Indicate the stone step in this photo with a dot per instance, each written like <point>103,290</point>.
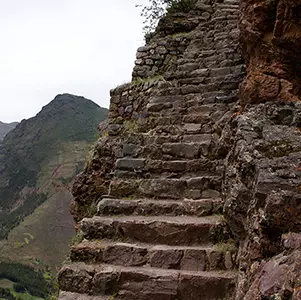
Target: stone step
<point>192,188</point>
<point>77,296</point>
<point>221,257</point>
<point>140,283</point>
<point>201,166</point>
<point>188,146</point>
<point>173,188</point>
<point>233,5</point>
<point>147,207</point>
<point>179,230</point>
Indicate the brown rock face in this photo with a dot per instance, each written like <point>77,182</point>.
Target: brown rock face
<point>271,42</point>
<point>261,186</point>
<point>263,198</point>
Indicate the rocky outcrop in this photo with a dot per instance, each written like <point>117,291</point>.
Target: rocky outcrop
<point>5,129</point>
<point>263,198</point>
<point>271,41</point>
<point>262,179</point>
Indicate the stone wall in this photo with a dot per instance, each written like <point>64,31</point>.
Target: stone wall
<point>185,82</point>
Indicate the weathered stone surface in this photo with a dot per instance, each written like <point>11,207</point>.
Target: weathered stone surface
<point>213,288</point>
<point>164,188</point>
<point>77,296</point>
<point>76,279</point>
<point>105,281</point>
<point>277,278</point>
<point>161,230</point>
<point>262,169</point>
<point>266,157</point>
<point>87,252</point>
<point>166,259</point>
<point>190,258</point>
<point>291,240</point>
<point>203,207</point>
<point>179,150</point>
<point>130,163</point>
<point>125,255</point>
<point>270,38</point>
<point>194,260</point>
<point>146,283</point>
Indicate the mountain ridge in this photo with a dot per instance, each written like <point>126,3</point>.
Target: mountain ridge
<point>31,146</point>
<point>5,128</point>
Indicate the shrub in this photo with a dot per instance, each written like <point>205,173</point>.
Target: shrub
<point>157,9</point>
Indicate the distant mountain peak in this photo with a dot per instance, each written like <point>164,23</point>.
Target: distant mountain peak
<point>67,119</point>
<point>5,128</point>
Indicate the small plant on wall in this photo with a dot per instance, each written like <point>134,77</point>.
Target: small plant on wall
<point>157,9</point>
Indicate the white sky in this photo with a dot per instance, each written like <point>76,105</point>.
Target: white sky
<point>50,47</point>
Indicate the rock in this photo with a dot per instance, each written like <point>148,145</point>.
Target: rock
<point>278,277</point>
<point>194,260</point>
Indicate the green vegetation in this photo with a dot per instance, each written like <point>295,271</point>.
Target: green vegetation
<point>27,281</point>
<point>140,80</point>
<point>5,128</point>
<point>6,294</point>
<point>112,297</point>
<point>157,9</point>
<point>78,238</point>
<point>229,246</point>
<point>11,220</point>
<point>92,210</point>
<point>131,126</point>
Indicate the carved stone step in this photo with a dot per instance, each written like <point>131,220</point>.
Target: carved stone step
<point>194,187</point>
<point>195,258</point>
<point>77,296</point>
<point>147,207</point>
<point>140,283</point>
<point>180,230</point>
<point>176,188</point>
<point>192,133</point>
<point>201,166</point>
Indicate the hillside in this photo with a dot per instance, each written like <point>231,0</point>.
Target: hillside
<point>38,161</point>
<point>5,129</point>
<point>32,145</point>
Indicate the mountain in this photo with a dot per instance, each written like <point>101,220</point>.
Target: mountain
<point>38,160</point>
<point>5,129</point>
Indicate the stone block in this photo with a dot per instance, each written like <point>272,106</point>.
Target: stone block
<point>105,282</point>
<point>165,258</point>
<point>181,150</point>
<point>125,255</point>
<point>216,260</point>
<point>194,260</point>
<point>130,163</point>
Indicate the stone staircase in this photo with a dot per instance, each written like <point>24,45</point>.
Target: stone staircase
<point>159,233</point>
<point>154,252</point>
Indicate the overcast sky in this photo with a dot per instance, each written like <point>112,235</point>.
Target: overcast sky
<point>50,47</point>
